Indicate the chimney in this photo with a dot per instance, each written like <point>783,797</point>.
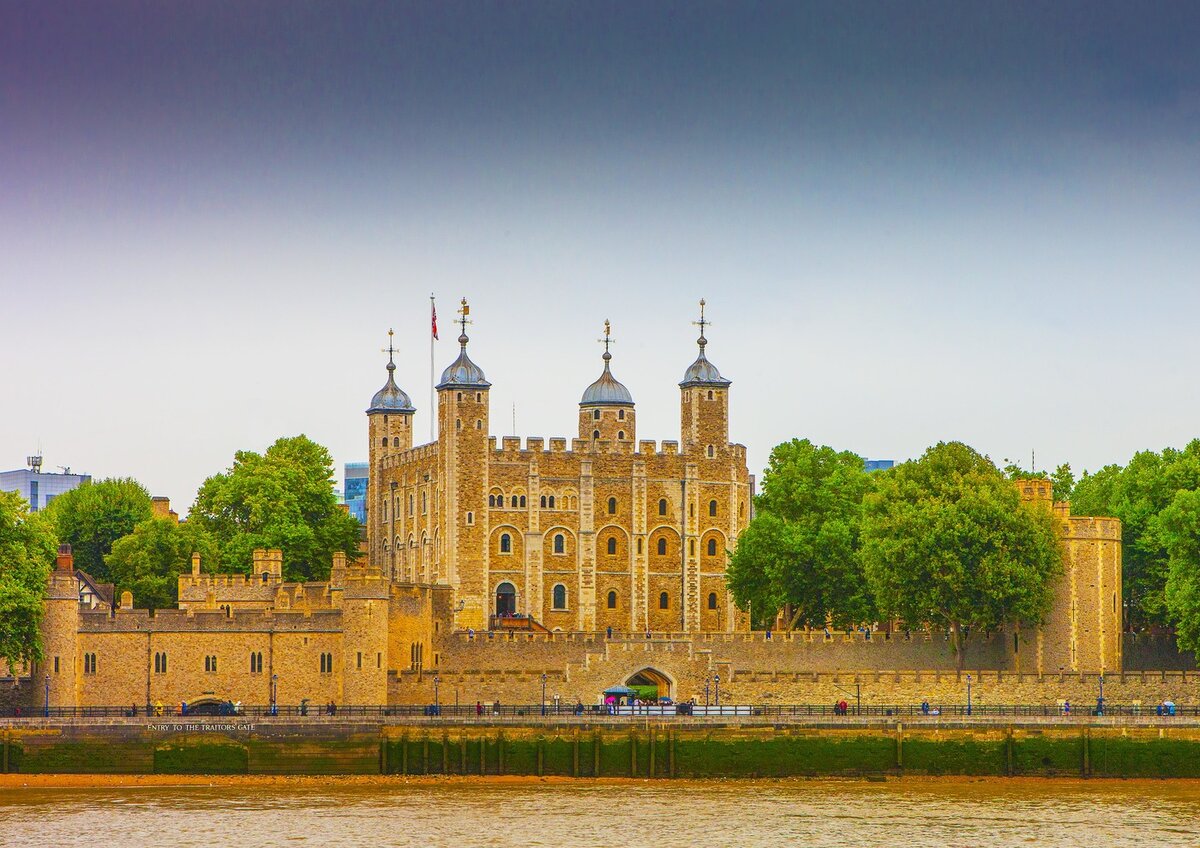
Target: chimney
<point>65,561</point>
<point>195,564</point>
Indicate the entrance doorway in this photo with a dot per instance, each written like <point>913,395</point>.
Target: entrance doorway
<point>650,684</point>
<point>506,599</point>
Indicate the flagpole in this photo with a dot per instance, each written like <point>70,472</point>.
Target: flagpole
<point>432,406</point>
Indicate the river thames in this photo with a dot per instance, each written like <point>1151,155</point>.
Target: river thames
<point>566,814</point>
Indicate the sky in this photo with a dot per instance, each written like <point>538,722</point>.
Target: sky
<point>912,222</point>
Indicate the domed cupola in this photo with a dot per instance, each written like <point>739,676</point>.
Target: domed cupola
<point>702,372</point>
<point>462,373</point>
<point>606,408</point>
<point>391,398</point>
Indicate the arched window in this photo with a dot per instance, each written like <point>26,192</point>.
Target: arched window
<point>395,441</point>
<point>612,545</point>
<point>522,500</point>
<point>559,597</point>
<point>639,546</point>
<point>612,600</point>
<point>662,547</point>
<point>712,600</point>
<point>621,414</point>
<point>664,601</point>
<point>470,520</point>
<point>692,547</point>
<point>712,507</point>
<point>612,506</point>
<point>543,502</point>
<point>710,394</point>
<point>458,424</point>
<point>559,543</point>
<point>505,543</point>
<point>385,441</point>
<point>595,415</point>
<point>595,434</point>
<point>458,397</point>
<point>552,501</point>
<point>620,435</point>
<point>711,452</point>
<point>742,509</point>
<point>712,547</point>
<point>491,500</point>
<point>662,506</point>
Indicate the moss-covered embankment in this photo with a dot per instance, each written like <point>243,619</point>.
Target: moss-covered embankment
<point>646,751</point>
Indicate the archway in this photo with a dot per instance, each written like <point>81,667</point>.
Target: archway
<point>650,684</point>
<point>506,599</point>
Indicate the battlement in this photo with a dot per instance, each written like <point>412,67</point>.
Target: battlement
<point>510,447</point>
<point>1093,528</point>
<point>421,453</point>
<point>210,621</point>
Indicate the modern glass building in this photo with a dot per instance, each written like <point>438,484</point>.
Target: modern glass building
<point>39,487</point>
<point>354,488</point>
<point>878,464</point>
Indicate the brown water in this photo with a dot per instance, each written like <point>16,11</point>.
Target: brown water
<point>941,813</point>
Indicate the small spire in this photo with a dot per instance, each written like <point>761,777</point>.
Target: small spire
<point>463,311</point>
<point>606,341</point>
<point>702,323</point>
<point>390,350</point>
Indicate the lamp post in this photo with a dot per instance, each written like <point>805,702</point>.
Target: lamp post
<point>47,711</point>
<point>717,681</point>
<point>858,697</point>
<point>543,693</point>
<point>1100,702</point>
<point>274,694</point>
<point>968,694</point>
<point>707,682</point>
<point>436,703</point>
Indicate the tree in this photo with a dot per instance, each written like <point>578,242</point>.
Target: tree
<point>1063,479</point>
<point>93,516</point>
<point>1178,527</point>
<point>800,553</point>
<point>946,541</point>
<point>26,554</point>
<point>280,499</point>
<point>149,560</point>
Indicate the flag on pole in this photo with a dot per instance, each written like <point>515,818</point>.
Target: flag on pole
<point>433,312</point>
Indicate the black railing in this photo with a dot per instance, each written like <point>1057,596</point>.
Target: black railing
<point>593,711</point>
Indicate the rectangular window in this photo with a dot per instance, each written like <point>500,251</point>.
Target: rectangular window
<point>56,665</point>
<point>379,660</point>
<point>33,497</point>
<point>360,660</point>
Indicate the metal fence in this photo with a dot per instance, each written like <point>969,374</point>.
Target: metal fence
<point>551,710</point>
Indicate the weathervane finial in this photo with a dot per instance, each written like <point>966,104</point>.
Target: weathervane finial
<point>463,311</point>
<point>702,323</point>
<point>606,341</point>
<point>390,350</point>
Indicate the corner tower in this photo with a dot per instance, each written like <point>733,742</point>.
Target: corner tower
<point>390,418</point>
<point>703,403</point>
<point>463,402</point>
<point>606,408</point>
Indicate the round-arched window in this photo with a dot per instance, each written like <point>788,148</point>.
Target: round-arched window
<point>560,597</point>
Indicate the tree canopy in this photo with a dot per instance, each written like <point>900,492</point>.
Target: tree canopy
<point>800,552</point>
<point>149,560</point>
<point>282,498</point>
<point>93,516</point>
<point>947,541</point>
<point>26,553</point>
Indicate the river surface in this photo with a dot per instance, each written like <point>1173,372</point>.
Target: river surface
<point>847,814</point>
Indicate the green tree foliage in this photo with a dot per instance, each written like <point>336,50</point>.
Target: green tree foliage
<point>93,516</point>
<point>1138,494</point>
<point>149,560</point>
<point>279,499</point>
<point>800,553</point>
<point>946,541</point>
<point>26,553</point>
<point>1178,528</point>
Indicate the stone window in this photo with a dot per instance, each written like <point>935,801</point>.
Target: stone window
<point>595,415</point>
<point>326,663</point>
<point>395,441</point>
<point>621,414</point>
<point>612,600</point>
<point>479,397</point>
<point>612,545</point>
<point>522,501</point>
<point>612,506</point>
<point>662,547</point>
<point>664,601</point>
<point>160,662</point>
<point>385,441</point>
<point>712,508</point>
<point>458,397</point>
<point>559,597</point>
<point>470,518</point>
<point>662,506</point>
<point>559,543</point>
<point>712,547</point>
<point>712,600</point>
<point>711,452</point>
<point>89,663</point>
<point>692,547</point>
<point>620,435</point>
<point>457,423</point>
<point>256,664</point>
<point>639,546</point>
<point>478,423</point>
<point>543,502</point>
<point>710,394</point>
<point>358,665</point>
<point>424,503</point>
<point>491,500</point>
<point>552,501</point>
<point>505,543</point>
<point>210,663</point>
<point>595,434</point>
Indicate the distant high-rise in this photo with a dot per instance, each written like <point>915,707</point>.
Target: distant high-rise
<point>354,486</point>
<point>40,487</point>
<point>878,464</point>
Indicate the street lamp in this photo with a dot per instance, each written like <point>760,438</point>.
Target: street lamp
<point>707,681</point>
<point>47,712</point>
<point>543,693</point>
<point>968,694</point>
<point>274,694</point>
<point>436,708</point>
<point>717,681</point>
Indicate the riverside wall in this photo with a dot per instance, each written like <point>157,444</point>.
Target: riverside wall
<point>1131,747</point>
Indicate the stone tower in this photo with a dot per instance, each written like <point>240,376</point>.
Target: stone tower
<point>606,409</point>
<point>390,418</point>
<point>60,630</point>
<point>704,404</point>
<point>463,400</point>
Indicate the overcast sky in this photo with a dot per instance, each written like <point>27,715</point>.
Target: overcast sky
<point>911,221</point>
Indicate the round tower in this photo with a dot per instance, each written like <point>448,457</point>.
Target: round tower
<point>57,674</point>
<point>606,409</point>
<point>390,420</point>
<point>704,404</point>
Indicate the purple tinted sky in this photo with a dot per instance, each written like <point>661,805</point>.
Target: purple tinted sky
<point>912,222</point>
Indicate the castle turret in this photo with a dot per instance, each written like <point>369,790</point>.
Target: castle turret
<point>463,429</point>
<point>606,408</point>
<point>391,418</point>
<point>57,675</point>
<point>704,404</point>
